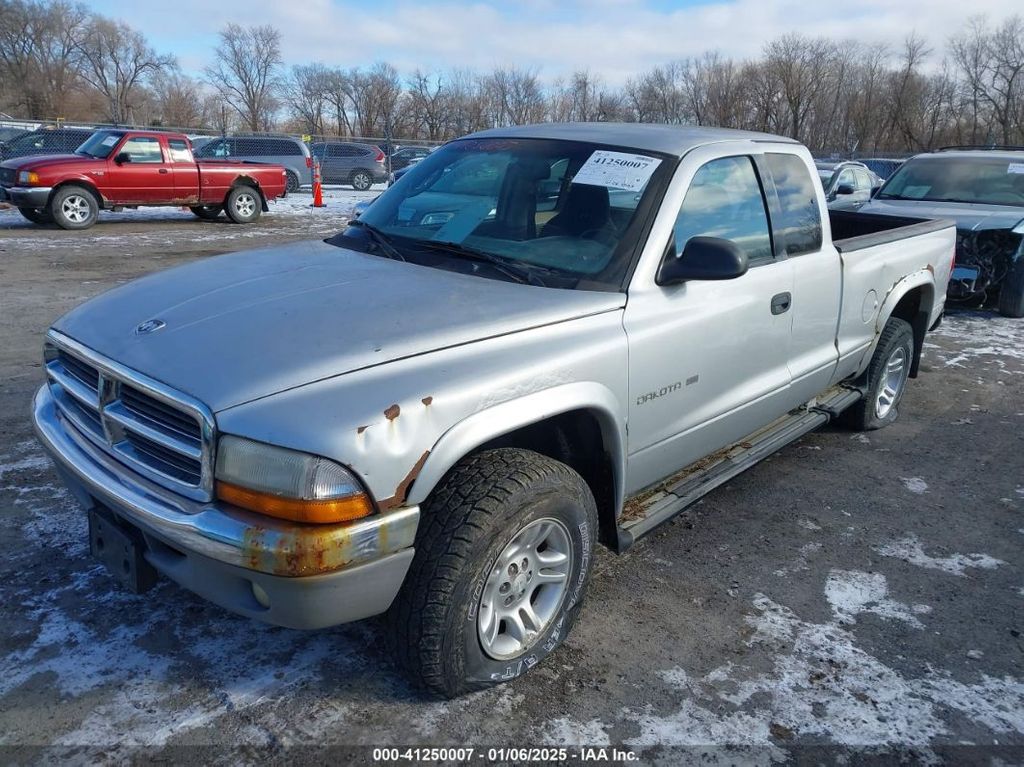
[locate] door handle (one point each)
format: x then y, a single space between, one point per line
164 170
781 303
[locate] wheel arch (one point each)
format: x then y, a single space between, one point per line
577 424
85 183
911 299
246 180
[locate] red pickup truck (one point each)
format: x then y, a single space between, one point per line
117 169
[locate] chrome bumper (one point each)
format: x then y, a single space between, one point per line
225 540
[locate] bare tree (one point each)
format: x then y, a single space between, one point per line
992 64
247 73
308 96
178 101
118 63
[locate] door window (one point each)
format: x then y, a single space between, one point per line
797 225
846 178
142 149
725 200
863 180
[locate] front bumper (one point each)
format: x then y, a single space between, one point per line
311 576
26 196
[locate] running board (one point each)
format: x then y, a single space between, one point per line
647 511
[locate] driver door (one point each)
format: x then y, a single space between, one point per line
708 360
146 177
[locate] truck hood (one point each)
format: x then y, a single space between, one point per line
968 217
246 325
42 161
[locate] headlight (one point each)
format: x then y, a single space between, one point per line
28 177
287 483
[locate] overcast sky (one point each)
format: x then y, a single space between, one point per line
615 38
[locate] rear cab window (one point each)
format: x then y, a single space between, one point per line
796 223
179 150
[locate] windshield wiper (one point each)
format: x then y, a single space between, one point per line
381 240
522 274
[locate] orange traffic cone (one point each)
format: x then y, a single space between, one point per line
318 193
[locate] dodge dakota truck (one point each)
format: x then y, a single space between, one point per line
116 169
440 412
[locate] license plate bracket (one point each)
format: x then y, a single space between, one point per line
122 551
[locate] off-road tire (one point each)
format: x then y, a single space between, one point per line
39 216
476 510
1011 294
864 415
207 212
243 205
74 207
361 180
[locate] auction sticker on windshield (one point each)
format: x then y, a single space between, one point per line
617 170
1015 167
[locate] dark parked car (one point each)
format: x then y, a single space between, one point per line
883 167
278 150
343 162
45 141
982 190
848 184
8 134
407 155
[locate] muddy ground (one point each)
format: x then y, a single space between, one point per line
853 592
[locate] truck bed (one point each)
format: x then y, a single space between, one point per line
853 231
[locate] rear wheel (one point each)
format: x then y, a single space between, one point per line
886 379
502 560
74 207
1011 294
37 215
243 205
207 212
361 180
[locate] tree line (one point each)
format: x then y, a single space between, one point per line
58 59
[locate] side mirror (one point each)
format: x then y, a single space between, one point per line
703 258
844 189
122 157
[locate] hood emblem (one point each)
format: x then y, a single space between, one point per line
149 326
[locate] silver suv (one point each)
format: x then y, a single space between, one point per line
343 162
279 150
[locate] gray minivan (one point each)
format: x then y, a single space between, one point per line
280 150
345 162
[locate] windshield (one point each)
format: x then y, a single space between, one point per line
982 180
825 176
566 212
100 144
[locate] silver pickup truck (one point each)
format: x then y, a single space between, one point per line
539 339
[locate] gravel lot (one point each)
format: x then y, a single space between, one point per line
852 591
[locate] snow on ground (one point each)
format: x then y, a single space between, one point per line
978 338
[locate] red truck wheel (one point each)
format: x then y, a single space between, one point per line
243 205
74 207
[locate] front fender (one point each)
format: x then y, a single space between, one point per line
492 422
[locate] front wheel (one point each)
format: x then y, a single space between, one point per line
293 183
1011 294
501 566
361 180
74 207
243 205
887 377
37 215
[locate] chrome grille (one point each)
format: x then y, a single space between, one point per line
164 435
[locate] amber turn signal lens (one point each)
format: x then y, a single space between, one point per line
315 512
